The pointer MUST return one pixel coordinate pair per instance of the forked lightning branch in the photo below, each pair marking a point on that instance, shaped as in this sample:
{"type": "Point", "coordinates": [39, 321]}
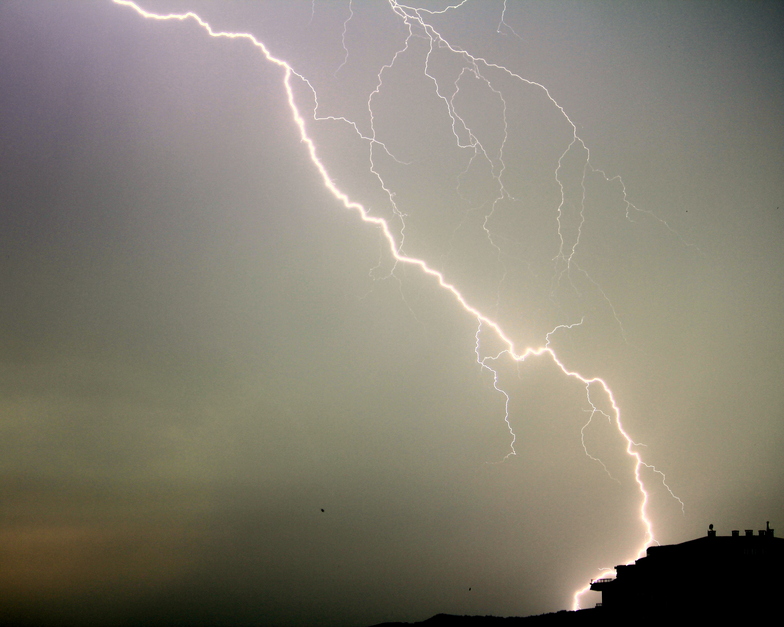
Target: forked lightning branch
{"type": "Point", "coordinates": [415, 21]}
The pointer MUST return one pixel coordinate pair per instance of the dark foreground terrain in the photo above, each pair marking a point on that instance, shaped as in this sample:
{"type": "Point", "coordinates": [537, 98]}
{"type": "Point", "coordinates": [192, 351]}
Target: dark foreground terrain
{"type": "Point", "coordinates": [583, 617]}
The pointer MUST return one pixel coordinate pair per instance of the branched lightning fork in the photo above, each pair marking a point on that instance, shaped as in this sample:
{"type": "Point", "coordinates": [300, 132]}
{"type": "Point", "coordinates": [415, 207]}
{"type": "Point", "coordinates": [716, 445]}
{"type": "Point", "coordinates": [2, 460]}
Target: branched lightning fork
{"type": "Point", "coordinates": [417, 26]}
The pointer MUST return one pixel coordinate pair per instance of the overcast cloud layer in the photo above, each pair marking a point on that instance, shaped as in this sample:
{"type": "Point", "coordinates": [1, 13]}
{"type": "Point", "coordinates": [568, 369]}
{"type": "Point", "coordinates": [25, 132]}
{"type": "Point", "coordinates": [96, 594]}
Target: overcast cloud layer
{"type": "Point", "coordinates": [222, 403]}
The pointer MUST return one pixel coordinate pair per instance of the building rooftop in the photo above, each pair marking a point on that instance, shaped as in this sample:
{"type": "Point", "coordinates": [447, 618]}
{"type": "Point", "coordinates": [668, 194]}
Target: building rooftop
{"type": "Point", "coordinates": [739, 573]}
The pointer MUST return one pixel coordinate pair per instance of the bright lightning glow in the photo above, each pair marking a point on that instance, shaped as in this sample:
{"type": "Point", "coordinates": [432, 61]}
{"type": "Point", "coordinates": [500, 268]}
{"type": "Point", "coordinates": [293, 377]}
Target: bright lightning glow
{"type": "Point", "coordinates": [465, 138]}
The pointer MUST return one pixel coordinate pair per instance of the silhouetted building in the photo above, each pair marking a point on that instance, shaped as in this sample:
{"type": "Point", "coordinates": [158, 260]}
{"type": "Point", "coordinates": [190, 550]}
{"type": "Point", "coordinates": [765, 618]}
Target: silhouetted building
{"type": "Point", "coordinates": [737, 575]}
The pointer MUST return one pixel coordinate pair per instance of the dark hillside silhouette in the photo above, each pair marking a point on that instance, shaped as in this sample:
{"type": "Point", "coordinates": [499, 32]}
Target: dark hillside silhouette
{"type": "Point", "coordinates": [737, 577]}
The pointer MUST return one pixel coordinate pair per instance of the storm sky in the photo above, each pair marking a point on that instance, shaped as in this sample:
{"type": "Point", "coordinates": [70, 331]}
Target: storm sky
{"type": "Point", "coordinates": [223, 402]}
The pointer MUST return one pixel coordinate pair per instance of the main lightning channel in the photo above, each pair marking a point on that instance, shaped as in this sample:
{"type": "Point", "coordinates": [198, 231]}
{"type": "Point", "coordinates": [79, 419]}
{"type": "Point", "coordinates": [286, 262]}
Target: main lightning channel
{"type": "Point", "coordinates": [395, 248]}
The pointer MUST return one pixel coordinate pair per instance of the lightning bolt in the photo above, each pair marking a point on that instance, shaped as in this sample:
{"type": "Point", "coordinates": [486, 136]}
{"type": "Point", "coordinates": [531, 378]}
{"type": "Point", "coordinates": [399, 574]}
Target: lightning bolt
{"type": "Point", "coordinates": [415, 20]}
{"type": "Point", "coordinates": [343, 36]}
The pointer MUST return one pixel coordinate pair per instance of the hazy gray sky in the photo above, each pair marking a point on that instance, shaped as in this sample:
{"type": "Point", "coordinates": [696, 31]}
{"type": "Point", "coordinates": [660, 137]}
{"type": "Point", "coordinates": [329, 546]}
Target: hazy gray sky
{"type": "Point", "coordinates": [201, 349]}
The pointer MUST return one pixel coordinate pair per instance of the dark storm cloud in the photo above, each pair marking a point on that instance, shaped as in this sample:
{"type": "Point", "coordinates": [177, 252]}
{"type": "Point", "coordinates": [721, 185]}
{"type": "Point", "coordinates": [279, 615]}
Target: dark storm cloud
{"type": "Point", "coordinates": [196, 359]}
